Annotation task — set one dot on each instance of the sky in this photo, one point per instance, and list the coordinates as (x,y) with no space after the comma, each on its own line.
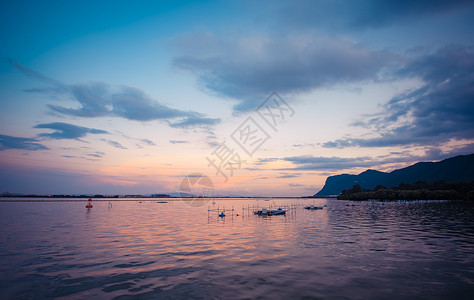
(259,98)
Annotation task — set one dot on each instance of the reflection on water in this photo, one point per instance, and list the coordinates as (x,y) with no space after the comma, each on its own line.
(170,250)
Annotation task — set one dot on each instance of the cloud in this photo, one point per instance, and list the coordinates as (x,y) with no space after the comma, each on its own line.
(309,162)
(12,142)
(194,119)
(178,142)
(213,144)
(67,131)
(35,75)
(440,110)
(287,175)
(115,144)
(355,15)
(248,69)
(262,161)
(100,99)
(81,157)
(148,142)
(303,54)
(304,145)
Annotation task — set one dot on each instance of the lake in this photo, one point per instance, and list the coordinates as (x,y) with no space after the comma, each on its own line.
(148,250)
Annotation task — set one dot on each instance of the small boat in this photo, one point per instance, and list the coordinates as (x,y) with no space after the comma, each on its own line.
(270,212)
(352,204)
(312,207)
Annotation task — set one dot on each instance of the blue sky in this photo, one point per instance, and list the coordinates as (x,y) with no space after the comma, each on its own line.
(130,97)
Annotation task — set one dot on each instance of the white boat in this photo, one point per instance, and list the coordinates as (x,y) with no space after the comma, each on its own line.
(312,207)
(270,212)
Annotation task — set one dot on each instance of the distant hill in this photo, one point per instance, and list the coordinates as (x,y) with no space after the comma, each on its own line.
(458,168)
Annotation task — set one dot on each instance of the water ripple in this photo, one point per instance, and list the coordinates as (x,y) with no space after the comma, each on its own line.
(404,250)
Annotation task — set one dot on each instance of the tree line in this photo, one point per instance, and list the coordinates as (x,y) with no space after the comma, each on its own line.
(420,190)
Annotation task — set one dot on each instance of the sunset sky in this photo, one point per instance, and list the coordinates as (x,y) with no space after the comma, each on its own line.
(130,97)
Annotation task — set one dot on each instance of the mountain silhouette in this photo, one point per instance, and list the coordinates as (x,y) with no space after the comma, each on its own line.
(458,168)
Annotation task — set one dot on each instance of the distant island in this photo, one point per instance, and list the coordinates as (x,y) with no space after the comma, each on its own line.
(452,178)
(100,196)
(96,196)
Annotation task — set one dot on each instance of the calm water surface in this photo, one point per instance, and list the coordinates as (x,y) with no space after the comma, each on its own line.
(153,250)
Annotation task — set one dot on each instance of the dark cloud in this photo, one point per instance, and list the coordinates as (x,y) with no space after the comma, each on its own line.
(304,53)
(356,15)
(308,162)
(440,110)
(382,13)
(12,142)
(67,131)
(293,64)
(100,99)
(434,153)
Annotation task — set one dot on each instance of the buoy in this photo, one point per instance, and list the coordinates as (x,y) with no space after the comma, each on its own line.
(89,205)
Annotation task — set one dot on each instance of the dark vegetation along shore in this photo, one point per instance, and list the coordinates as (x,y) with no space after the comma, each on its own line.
(421,190)
(449,179)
